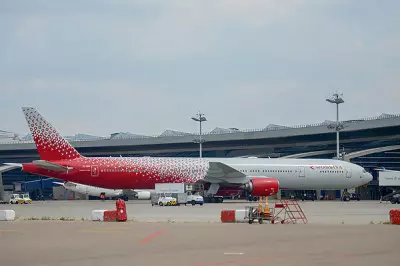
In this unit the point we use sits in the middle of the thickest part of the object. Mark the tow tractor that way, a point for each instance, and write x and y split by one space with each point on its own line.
213 199
194 198
393 197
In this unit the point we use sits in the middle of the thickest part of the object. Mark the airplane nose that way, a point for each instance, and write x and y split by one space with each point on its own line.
368 177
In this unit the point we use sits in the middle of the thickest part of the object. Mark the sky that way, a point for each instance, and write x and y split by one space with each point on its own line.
99 67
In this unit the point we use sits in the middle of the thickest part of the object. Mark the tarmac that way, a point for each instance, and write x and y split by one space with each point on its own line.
317 212
62 243
337 233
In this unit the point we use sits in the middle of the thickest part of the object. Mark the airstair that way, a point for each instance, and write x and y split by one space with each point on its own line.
288 212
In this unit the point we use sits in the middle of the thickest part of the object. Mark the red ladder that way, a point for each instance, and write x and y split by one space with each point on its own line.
293 212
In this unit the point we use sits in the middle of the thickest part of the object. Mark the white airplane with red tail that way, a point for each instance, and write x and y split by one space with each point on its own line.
259 176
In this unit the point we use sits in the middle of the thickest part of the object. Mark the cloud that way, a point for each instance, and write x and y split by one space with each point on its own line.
143 66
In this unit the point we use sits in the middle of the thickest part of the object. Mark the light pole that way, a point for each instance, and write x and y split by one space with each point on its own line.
337 99
200 118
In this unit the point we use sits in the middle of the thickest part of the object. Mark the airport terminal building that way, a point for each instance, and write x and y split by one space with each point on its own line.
372 143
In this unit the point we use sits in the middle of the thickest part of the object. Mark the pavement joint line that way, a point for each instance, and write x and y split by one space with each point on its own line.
247 260
7 231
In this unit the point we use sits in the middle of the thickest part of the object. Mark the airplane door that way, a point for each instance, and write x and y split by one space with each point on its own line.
348 173
302 172
94 170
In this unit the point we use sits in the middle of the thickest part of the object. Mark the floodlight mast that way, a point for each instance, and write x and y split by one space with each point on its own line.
200 118
337 99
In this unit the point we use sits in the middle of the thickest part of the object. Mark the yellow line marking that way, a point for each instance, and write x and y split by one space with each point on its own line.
6 231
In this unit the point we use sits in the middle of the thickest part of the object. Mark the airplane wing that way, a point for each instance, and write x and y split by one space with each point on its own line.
9 166
51 166
222 172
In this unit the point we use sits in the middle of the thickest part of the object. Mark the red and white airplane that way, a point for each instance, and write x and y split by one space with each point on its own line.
259 176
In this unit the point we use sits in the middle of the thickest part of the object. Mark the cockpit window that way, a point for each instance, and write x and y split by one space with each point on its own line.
364 171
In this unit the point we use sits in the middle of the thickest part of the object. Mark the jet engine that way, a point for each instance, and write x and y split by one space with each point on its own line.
262 187
143 195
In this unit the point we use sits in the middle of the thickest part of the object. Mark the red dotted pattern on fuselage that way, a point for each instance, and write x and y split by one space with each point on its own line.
50 144
163 170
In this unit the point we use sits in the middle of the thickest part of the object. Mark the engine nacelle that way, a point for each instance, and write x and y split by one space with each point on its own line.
262 187
143 195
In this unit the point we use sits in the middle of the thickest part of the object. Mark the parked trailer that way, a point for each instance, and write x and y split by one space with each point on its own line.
170 188
390 179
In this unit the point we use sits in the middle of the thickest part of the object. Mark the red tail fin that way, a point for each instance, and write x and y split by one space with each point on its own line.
50 144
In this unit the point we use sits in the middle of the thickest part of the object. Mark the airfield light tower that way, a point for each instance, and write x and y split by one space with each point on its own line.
200 118
337 99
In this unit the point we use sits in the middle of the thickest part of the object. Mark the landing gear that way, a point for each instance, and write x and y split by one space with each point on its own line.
251 198
123 197
346 195
213 199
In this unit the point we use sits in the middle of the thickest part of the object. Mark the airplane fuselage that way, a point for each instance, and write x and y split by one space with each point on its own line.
145 172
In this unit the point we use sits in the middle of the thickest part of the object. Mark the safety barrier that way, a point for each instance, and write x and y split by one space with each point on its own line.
119 214
98 215
121 209
110 216
228 216
240 216
395 216
7 215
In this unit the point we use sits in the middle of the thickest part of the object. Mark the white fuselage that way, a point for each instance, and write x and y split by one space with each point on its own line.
302 173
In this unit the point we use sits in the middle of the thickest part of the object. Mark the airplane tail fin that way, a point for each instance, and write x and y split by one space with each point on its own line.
50 144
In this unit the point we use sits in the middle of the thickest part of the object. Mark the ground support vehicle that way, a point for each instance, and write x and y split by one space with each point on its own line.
20 199
163 200
255 213
393 197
